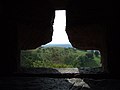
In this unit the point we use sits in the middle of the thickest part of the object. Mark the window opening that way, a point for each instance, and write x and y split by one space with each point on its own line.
59 53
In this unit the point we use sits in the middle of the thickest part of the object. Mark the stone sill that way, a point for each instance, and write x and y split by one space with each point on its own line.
83 70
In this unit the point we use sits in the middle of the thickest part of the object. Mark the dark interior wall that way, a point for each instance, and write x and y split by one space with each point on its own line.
27 25
87 23
35 20
93 25
113 49
8 40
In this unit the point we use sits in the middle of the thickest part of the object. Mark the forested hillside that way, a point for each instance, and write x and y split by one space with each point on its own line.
59 57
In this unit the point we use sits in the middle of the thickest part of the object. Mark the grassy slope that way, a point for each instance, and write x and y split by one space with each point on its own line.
56 57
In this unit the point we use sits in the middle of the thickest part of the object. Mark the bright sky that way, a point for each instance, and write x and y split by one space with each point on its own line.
59 34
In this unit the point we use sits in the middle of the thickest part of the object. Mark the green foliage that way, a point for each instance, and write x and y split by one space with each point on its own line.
58 57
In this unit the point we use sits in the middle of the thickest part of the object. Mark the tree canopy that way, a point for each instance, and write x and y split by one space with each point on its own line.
59 57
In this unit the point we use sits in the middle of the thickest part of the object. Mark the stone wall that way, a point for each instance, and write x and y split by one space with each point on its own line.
90 25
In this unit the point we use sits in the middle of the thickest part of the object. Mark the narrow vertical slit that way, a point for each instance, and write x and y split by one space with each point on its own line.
59 33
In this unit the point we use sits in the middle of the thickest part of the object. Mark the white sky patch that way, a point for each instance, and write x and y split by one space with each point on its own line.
59 33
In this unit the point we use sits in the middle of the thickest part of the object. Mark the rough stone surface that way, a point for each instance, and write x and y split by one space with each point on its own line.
82 70
37 83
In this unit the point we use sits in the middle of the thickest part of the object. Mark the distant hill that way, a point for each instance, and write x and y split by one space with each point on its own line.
58 45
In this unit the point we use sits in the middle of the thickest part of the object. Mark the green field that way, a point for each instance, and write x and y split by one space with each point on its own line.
59 57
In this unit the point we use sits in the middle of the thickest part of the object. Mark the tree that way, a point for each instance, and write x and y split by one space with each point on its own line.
97 53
